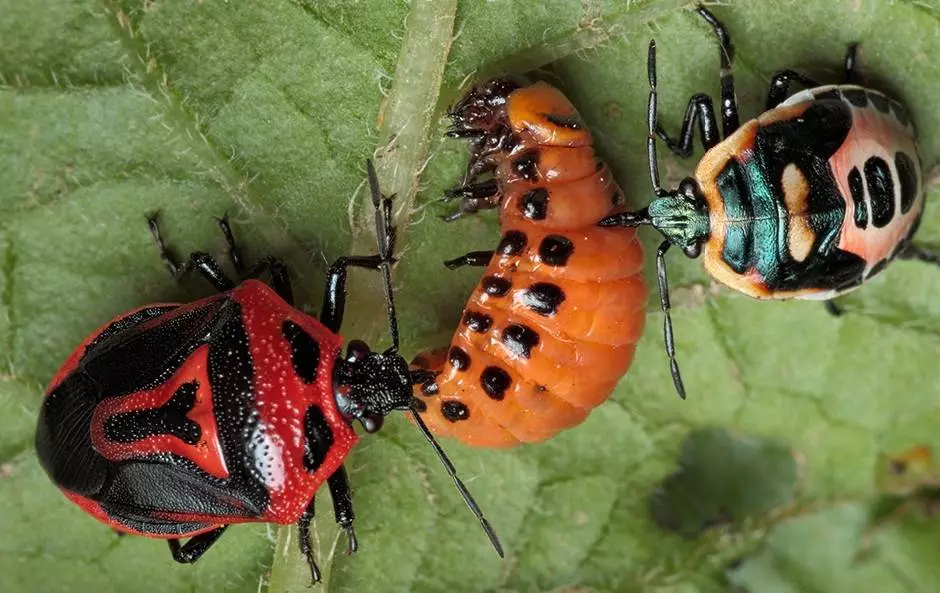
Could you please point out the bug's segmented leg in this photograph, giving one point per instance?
(343, 506)
(473, 198)
(833, 309)
(700, 108)
(851, 55)
(280, 278)
(234, 253)
(334, 299)
(303, 529)
(474, 258)
(780, 86)
(729, 103)
(667, 320)
(917, 253)
(197, 545)
(204, 263)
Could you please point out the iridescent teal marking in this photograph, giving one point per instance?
(770, 222)
(735, 197)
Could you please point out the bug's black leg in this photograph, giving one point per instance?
(729, 103)
(918, 253)
(234, 253)
(303, 529)
(474, 258)
(833, 309)
(700, 108)
(667, 320)
(204, 263)
(280, 278)
(193, 550)
(851, 55)
(780, 86)
(343, 507)
(334, 299)
(473, 197)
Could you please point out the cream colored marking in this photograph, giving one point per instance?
(800, 235)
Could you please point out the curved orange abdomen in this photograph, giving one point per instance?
(553, 324)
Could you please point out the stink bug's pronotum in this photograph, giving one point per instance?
(177, 420)
(809, 200)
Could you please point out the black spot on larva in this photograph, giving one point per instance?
(495, 381)
(477, 322)
(565, 121)
(459, 359)
(900, 113)
(541, 388)
(878, 268)
(543, 298)
(907, 177)
(170, 418)
(512, 243)
(419, 405)
(304, 351)
(830, 94)
(857, 188)
(856, 97)
(555, 250)
(879, 102)
(526, 166)
(319, 438)
(520, 339)
(430, 388)
(454, 411)
(494, 286)
(534, 204)
(880, 191)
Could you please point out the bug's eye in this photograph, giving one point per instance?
(357, 350)
(372, 423)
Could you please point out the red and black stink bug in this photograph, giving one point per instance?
(177, 420)
(552, 326)
(809, 200)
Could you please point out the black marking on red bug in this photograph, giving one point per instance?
(857, 189)
(170, 418)
(520, 339)
(305, 351)
(907, 177)
(880, 191)
(419, 405)
(318, 438)
(564, 121)
(733, 187)
(534, 204)
(856, 97)
(544, 298)
(555, 250)
(458, 358)
(495, 286)
(477, 322)
(455, 411)
(495, 381)
(430, 388)
(512, 243)
(526, 165)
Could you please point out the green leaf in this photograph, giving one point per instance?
(112, 109)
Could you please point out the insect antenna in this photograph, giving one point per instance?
(464, 492)
(385, 235)
(642, 217)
